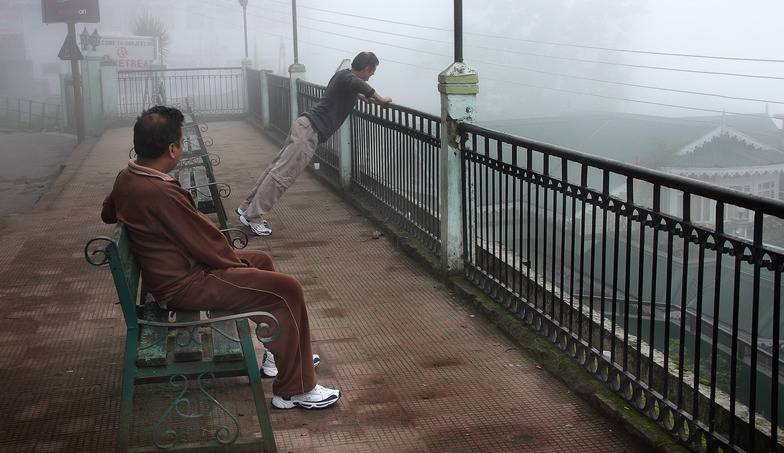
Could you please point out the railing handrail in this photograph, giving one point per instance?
(226, 68)
(693, 186)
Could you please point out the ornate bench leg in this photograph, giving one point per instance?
(255, 383)
(126, 403)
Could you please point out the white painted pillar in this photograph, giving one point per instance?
(458, 85)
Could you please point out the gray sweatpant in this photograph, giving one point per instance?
(285, 168)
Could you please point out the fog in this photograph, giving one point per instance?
(534, 58)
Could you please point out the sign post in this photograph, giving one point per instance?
(70, 12)
(70, 51)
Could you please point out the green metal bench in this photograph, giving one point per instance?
(190, 349)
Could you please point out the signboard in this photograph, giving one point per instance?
(70, 11)
(70, 50)
(129, 52)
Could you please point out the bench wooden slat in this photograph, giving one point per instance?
(153, 340)
(224, 334)
(188, 349)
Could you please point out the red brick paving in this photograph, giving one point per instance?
(418, 371)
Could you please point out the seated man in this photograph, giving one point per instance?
(187, 264)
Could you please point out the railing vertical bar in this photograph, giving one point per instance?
(564, 201)
(554, 252)
(734, 354)
(716, 315)
(537, 257)
(544, 210)
(774, 412)
(656, 222)
(629, 210)
(668, 310)
(592, 279)
(695, 404)
(605, 205)
(504, 213)
(614, 290)
(687, 198)
(583, 211)
(640, 277)
(756, 260)
(529, 221)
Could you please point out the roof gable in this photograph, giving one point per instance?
(718, 133)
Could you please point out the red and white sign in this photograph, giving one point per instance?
(129, 52)
(70, 11)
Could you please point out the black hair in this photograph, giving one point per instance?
(363, 60)
(155, 129)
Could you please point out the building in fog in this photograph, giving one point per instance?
(31, 69)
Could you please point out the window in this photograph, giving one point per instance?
(767, 189)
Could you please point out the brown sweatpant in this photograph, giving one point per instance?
(260, 288)
(285, 168)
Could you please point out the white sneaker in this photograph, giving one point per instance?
(318, 398)
(270, 370)
(240, 212)
(258, 228)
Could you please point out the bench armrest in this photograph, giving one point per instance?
(196, 159)
(266, 332)
(237, 238)
(224, 190)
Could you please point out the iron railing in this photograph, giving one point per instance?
(395, 166)
(681, 319)
(255, 101)
(29, 115)
(308, 95)
(279, 103)
(210, 91)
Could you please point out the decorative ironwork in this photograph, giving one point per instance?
(100, 251)
(224, 190)
(197, 160)
(266, 332)
(186, 336)
(237, 238)
(182, 406)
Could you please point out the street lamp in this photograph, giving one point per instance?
(244, 4)
(84, 39)
(95, 39)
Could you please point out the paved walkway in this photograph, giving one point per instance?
(419, 372)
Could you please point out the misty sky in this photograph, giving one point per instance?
(534, 57)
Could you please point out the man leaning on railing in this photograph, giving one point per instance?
(312, 127)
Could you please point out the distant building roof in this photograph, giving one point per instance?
(726, 152)
(649, 141)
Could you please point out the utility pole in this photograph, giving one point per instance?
(294, 21)
(77, 85)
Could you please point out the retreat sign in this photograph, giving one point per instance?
(70, 11)
(129, 52)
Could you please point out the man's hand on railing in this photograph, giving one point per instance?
(375, 99)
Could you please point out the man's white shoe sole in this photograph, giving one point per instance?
(290, 403)
(258, 229)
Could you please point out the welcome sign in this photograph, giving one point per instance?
(85, 11)
(129, 52)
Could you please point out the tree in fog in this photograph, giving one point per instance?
(148, 25)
